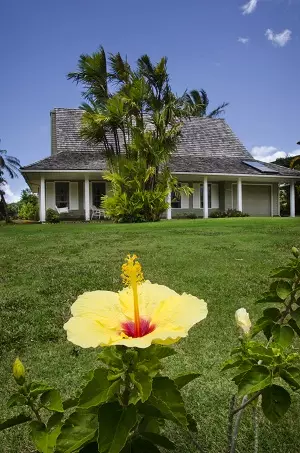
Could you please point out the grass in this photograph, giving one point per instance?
(43, 269)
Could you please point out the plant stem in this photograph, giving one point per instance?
(255, 428)
(247, 401)
(237, 424)
(35, 411)
(230, 422)
(197, 445)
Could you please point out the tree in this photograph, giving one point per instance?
(137, 118)
(198, 102)
(10, 165)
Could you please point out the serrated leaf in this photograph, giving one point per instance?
(283, 335)
(51, 400)
(115, 425)
(254, 380)
(275, 402)
(80, 428)
(99, 390)
(289, 378)
(259, 352)
(167, 399)
(37, 388)
(272, 313)
(16, 400)
(143, 382)
(157, 351)
(159, 440)
(282, 272)
(14, 421)
(283, 289)
(111, 357)
(184, 379)
(43, 440)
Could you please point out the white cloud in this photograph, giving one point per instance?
(279, 39)
(243, 40)
(270, 153)
(10, 196)
(249, 7)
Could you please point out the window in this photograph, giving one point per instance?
(209, 196)
(98, 191)
(62, 194)
(175, 200)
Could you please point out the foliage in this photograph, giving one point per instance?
(11, 165)
(13, 210)
(197, 101)
(52, 216)
(267, 366)
(122, 406)
(138, 124)
(28, 206)
(228, 213)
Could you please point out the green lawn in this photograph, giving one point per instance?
(225, 261)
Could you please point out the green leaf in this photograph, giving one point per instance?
(283, 335)
(37, 388)
(261, 324)
(192, 424)
(296, 316)
(260, 352)
(80, 428)
(52, 400)
(156, 350)
(115, 425)
(275, 402)
(184, 379)
(272, 313)
(294, 326)
(143, 382)
(16, 400)
(111, 357)
(283, 289)
(254, 380)
(17, 420)
(159, 440)
(98, 390)
(149, 424)
(141, 445)
(269, 298)
(43, 440)
(231, 363)
(54, 420)
(167, 399)
(289, 378)
(282, 272)
(69, 403)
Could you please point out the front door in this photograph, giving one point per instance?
(98, 191)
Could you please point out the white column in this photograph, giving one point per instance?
(87, 198)
(239, 195)
(42, 200)
(169, 210)
(205, 198)
(292, 199)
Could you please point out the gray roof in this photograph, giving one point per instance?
(206, 145)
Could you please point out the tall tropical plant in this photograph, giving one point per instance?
(295, 163)
(198, 102)
(10, 165)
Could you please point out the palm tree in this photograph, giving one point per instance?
(198, 102)
(11, 165)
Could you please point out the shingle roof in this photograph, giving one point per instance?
(206, 146)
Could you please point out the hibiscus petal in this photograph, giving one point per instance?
(87, 333)
(101, 306)
(150, 295)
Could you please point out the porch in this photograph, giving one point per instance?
(80, 191)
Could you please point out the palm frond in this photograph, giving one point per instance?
(295, 162)
(218, 111)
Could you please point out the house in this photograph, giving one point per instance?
(209, 158)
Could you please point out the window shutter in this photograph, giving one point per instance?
(50, 195)
(185, 203)
(73, 194)
(215, 195)
(196, 195)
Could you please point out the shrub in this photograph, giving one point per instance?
(228, 213)
(52, 216)
(29, 211)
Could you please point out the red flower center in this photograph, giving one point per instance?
(129, 328)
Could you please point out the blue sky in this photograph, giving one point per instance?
(259, 74)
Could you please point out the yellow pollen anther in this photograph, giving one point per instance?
(132, 275)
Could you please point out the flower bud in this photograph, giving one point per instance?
(295, 252)
(243, 320)
(19, 371)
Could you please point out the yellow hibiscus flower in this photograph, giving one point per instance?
(141, 314)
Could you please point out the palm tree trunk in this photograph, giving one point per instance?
(4, 207)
